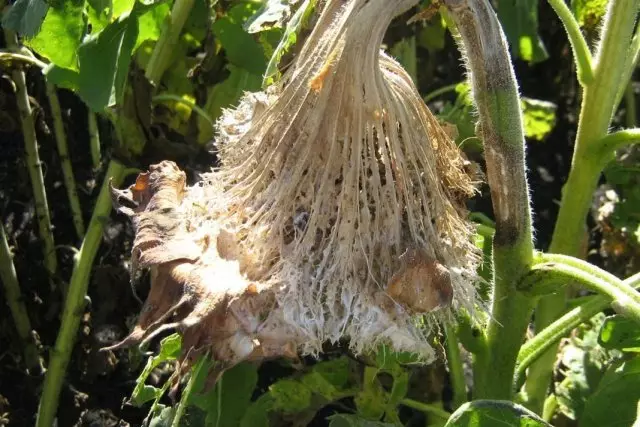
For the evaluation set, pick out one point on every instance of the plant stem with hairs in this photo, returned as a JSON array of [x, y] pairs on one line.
[[16, 305], [598, 104], [65, 161], [75, 300], [500, 127], [33, 163]]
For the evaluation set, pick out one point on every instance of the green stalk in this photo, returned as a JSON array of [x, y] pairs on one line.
[[94, 139], [500, 127], [551, 335], [75, 300], [426, 408], [186, 393], [597, 109], [65, 161], [16, 305], [617, 140], [165, 47], [581, 53], [454, 362], [33, 162]]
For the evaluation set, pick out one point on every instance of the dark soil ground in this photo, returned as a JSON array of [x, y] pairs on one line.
[[98, 383]]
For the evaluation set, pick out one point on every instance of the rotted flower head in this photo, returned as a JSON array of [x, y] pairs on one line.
[[338, 211]]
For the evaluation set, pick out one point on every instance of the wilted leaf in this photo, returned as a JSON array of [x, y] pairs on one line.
[[519, 18], [25, 17], [539, 117], [348, 420], [481, 413], [61, 34], [272, 14], [621, 333], [289, 38], [615, 400]]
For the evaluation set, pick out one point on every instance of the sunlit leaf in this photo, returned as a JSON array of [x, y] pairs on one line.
[[539, 117], [619, 332], [290, 396], [272, 14], [589, 12], [61, 33], [170, 348], [481, 413]]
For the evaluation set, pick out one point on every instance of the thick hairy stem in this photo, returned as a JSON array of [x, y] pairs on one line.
[[65, 161], [33, 162], [500, 126], [630, 110], [94, 139], [549, 337], [165, 47], [75, 301], [16, 305], [597, 109]]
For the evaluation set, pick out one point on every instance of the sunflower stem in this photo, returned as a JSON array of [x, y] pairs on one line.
[[500, 126]]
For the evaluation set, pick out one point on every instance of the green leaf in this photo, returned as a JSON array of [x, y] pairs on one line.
[[621, 333], [240, 48], [589, 12], [290, 396], [170, 348], [329, 379], [348, 420], [432, 35], [61, 33], [615, 400], [481, 413], [539, 117], [519, 19], [226, 403], [372, 400], [272, 14], [163, 417], [25, 17], [257, 414], [289, 38], [62, 77], [105, 58]]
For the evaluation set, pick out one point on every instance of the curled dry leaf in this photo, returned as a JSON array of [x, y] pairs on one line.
[[326, 180]]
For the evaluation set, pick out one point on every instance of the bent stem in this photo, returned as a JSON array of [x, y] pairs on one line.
[[75, 300], [597, 109], [496, 96], [16, 305], [65, 161], [551, 335]]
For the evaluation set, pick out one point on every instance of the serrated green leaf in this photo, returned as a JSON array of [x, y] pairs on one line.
[[519, 19], [621, 333], [481, 413], [289, 38], [615, 400], [348, 420], [539, 117], [170, 348], [61, 34], [25, 17]]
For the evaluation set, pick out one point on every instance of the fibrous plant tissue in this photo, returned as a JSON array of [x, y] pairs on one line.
[[337, 212]]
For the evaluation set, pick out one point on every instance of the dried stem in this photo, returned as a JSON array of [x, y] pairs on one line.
[[16, 305], [65, 161], [33, 162], [500, 126], [74, 304]]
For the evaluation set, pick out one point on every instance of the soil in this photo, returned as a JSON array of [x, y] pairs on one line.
[[98, 383]]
